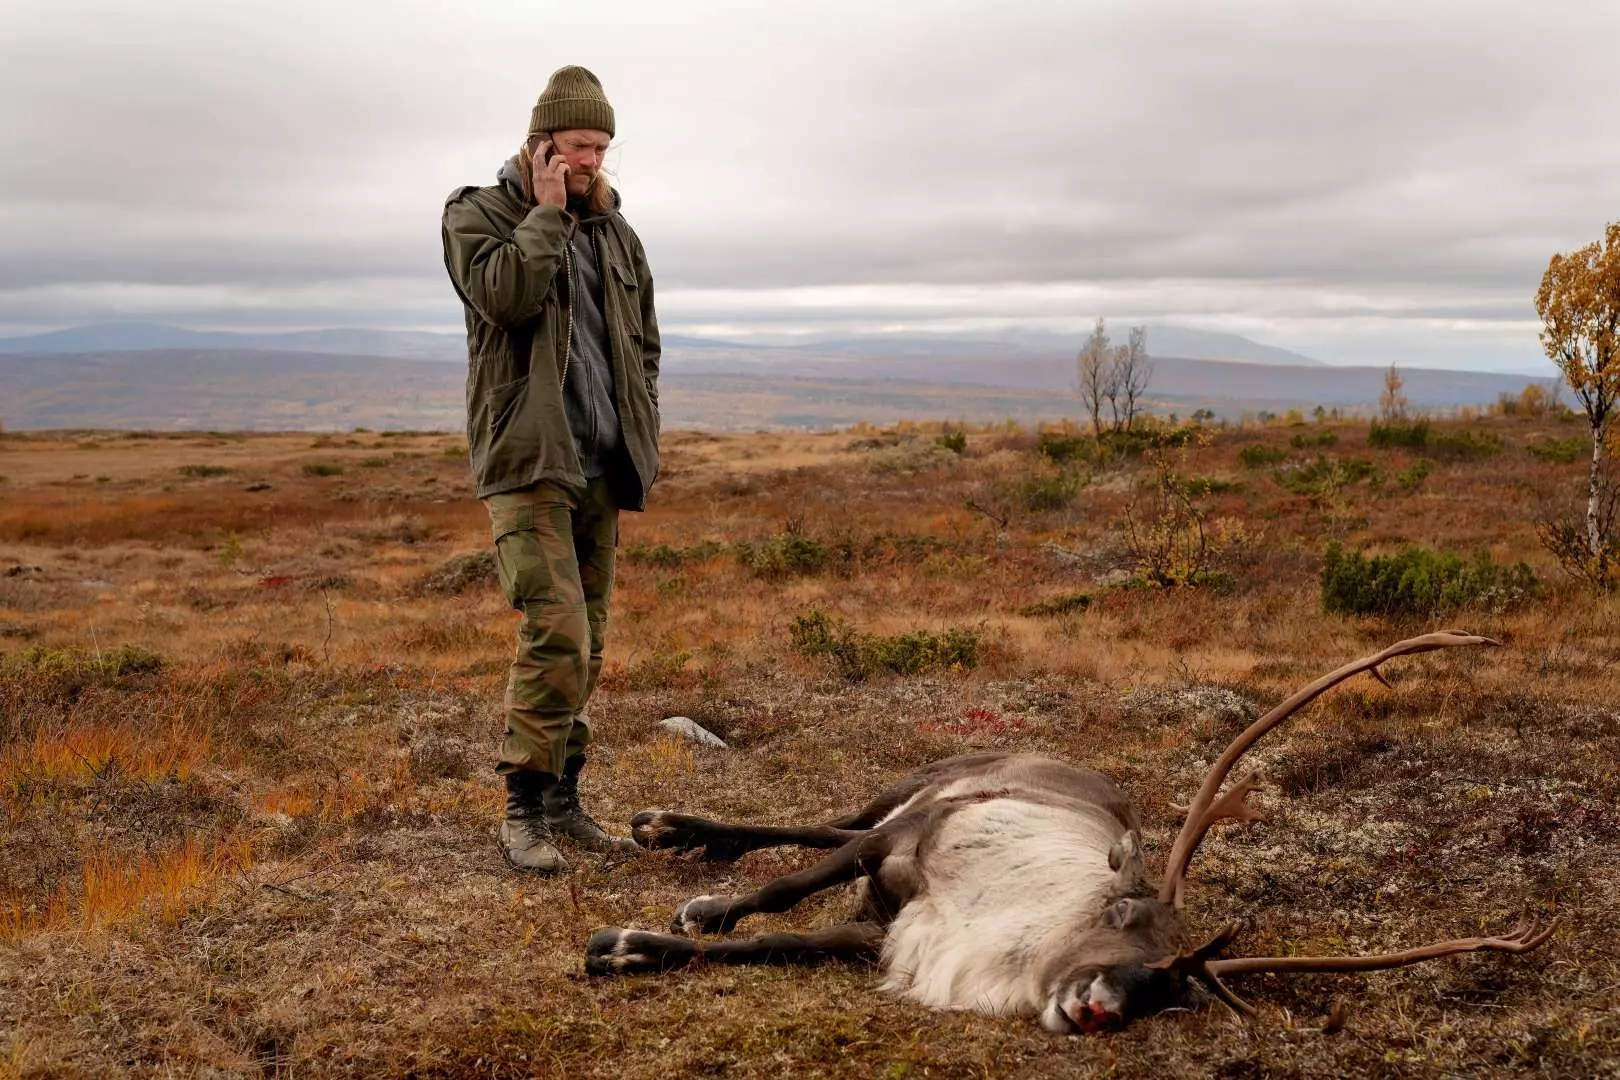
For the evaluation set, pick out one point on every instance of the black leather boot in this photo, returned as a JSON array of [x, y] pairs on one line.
[[526, 835], [569, 821]]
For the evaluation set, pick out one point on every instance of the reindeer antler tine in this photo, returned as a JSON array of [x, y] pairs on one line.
[[1225, 994], [1379, 677], [1199, 810]]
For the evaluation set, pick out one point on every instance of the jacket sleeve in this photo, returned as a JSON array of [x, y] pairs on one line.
[[652, 346], [503, 278]]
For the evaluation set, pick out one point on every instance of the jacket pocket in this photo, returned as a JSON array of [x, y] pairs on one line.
[[630, 290], [505, 402]]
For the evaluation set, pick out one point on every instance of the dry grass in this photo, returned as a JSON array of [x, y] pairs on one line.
[[268, 850]]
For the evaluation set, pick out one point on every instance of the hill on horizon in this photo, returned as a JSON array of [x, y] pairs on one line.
[[260, 390], [1163, 341]]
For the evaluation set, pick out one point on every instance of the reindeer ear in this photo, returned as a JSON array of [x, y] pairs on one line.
[[1125, 856]]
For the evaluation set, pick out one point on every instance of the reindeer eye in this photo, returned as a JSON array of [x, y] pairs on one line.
[[1121, 914]]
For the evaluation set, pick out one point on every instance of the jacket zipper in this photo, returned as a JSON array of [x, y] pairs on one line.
[[568, 311]]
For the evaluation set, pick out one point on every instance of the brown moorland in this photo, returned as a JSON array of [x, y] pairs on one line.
[[249, 696]]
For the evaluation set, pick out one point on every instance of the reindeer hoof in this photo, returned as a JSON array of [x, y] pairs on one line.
[[635, 952], [663, 830], [703, 915]]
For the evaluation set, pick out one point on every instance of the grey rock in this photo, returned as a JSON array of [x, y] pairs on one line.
[[688, 728]]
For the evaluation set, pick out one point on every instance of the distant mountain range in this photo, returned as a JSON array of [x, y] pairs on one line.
[[1170, 341], [127, 336], [715, 387]]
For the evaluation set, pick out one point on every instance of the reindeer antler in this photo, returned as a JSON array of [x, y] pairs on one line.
[[1204, 964], [1197, 962], [1205, 809], [1526, 937]]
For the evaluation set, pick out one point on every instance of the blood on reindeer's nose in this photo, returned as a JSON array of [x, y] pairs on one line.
[[1093, 1019]]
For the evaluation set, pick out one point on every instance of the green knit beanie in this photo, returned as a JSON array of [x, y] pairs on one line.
[[572, 99]]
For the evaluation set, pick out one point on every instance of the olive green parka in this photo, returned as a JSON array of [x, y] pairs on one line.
[[510, 263]]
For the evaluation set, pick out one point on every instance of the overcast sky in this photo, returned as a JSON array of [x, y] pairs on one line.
[[1366, 182]]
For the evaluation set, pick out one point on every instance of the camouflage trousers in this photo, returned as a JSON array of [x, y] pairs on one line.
[[554, 549]]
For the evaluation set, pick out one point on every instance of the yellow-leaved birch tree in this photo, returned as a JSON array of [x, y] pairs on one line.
[[1579, 304]]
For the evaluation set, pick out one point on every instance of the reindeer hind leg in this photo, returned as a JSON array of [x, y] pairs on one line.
[[635, 952], [665, 830]]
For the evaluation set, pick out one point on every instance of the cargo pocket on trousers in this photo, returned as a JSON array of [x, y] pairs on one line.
[[518, 559]]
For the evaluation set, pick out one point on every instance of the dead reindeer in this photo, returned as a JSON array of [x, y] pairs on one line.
[[1006, 884]]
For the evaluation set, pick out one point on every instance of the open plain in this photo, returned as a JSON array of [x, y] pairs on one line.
[[250, 690]]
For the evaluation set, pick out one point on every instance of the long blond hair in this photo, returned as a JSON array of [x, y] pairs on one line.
[[600, 196]]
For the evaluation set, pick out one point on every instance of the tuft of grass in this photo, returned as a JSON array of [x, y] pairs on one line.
[[322, 468], [203, 470], [116, 888]]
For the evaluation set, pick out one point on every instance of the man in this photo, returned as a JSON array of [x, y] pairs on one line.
[[562, 430]]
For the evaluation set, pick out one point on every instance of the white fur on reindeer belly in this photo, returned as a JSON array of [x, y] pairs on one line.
[[1003, 879]]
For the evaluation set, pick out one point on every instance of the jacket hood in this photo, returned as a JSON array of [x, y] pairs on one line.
[[513, 176]]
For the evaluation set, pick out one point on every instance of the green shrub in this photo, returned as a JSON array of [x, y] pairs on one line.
[[1561, 451], [373, 462], [1208, 485], [954, 441], [1420, 435], [783, 555], [1259, 455], [1318, 438], [322, 468], [1464, 445], [1413, 436], [94, 666], [1326, 476], [1419, 583], [1060, 605], [1063, 448], [1045, 491], [668, 558], [860, 656], [1412, 477], [202, 470]]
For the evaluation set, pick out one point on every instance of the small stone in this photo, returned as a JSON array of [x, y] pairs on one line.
[[688, 728]]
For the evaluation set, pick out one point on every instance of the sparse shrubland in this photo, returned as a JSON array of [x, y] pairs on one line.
[[250, 804]]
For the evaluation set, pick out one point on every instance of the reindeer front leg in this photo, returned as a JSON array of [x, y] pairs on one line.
[[718, 914]]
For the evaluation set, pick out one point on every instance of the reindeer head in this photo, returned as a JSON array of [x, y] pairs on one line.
[[1109, 978], [1136, 958]]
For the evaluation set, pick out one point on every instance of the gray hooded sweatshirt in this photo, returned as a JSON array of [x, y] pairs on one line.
[[588, 388]]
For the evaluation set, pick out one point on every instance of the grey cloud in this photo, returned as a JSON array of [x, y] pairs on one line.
[[1416, 150]]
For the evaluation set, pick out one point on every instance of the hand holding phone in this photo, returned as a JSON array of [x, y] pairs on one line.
[[548, 177]]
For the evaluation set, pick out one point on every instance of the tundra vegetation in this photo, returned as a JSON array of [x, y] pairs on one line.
[[250, 685]]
